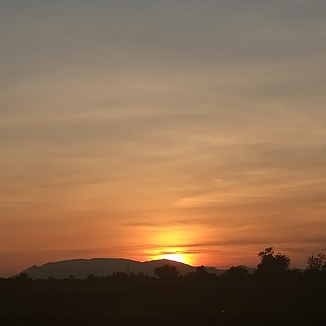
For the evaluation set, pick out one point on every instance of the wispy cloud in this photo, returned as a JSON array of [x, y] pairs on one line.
[[121, 121]]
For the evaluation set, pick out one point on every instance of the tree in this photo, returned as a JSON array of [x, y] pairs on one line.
[[201, 272], [202, 275], [316, 263], [235, 273], [166, 272], [272, 263], [91, 277], [22, 276]]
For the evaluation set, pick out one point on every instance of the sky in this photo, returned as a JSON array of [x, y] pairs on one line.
[[146, 129]]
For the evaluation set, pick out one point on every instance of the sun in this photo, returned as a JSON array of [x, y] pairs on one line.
[[176, 257], [171, 244]]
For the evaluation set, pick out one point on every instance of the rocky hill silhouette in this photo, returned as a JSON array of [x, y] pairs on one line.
[[82, 268]]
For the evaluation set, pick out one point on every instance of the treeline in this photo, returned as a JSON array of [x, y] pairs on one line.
[[273, 294], [271, 266]]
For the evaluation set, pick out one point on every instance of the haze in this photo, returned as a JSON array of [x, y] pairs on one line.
[[149, 129]]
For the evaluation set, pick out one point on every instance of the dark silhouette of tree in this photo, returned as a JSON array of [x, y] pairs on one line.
[[22, 276], [169, 275], [166, 272], [235, 273], [271, 263], [201, 272], [202, 275], [91, 277], [316, 263]]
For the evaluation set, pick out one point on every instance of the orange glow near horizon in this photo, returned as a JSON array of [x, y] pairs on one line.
[[176, 257], [172, 245], [181, 257], [146, 155]]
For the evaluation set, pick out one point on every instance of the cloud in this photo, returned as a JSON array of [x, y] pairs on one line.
[[151, 116]]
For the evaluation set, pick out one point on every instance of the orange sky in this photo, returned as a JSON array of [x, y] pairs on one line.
[[143, 129]]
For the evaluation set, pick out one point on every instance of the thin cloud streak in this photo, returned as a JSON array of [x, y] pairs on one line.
[[152, 123]]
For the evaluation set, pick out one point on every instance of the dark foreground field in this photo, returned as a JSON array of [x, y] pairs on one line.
[[293, 299]]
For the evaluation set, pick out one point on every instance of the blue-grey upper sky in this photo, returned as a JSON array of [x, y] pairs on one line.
[[140, 128]]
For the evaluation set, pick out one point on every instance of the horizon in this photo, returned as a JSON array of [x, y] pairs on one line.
[[220, 268], [118, 258], [127, 259], [150, 129]]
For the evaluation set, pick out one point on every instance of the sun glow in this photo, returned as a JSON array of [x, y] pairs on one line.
[[176, 257], [171, 244]]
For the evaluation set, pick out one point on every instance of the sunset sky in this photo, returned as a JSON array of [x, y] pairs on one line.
[[142, 129]]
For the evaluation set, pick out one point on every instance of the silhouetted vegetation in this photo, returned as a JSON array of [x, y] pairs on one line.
[[272, 265], [166, 273], [237, 273], [273, 295], [316, 263]]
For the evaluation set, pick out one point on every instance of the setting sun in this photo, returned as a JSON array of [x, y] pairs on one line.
[[171, 244], [176, 257]]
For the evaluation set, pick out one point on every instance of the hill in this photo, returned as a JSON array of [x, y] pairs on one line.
[[81, 268]]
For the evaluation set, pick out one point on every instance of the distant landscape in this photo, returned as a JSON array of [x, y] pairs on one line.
[[160, 292], [81, 268], [163, 162]]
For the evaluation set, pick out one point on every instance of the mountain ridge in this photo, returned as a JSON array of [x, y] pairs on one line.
[[82, 268]]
